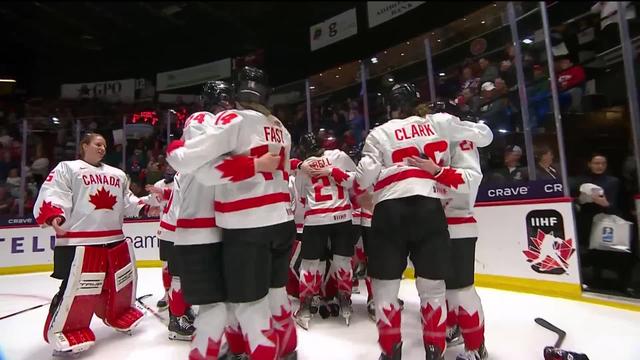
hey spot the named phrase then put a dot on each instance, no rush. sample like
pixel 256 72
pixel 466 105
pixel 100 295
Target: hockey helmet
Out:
pixel 310 145
pixel 217 93
pixel 252 86
pixel 403 97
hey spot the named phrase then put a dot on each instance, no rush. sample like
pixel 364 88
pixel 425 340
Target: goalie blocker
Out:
pixel 98 279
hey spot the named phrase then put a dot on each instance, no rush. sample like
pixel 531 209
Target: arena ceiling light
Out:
pixel 374 60
pixel 442 74
pixel 7 80
pixel 527 41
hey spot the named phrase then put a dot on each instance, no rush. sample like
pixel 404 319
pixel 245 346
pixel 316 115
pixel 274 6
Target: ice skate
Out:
pixel 355 286
pixel 324 310
pixel 371 310
pixel 314 306
pixel 190 314
pixel 70 343
pixel 454 337
pixel 163 304
pixel 303 315
pixel 397 353
pixel 480 354
pixel 290 356
pixel 434 353
pixel 344 300
pixel 236 357
pixel 180 328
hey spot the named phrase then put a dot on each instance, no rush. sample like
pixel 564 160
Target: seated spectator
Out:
pixel 153 173
pixel 512 171
pixel 5 138
pixel 13 182
pixel 468 103
pixel 468 81
pixel 570 81
pixel 489 71
pixel 40 167
pixel 544 160
pixel 6 201
pixel 493 108
pixel 6 164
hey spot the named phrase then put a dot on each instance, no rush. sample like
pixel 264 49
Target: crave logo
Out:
pixel 548 251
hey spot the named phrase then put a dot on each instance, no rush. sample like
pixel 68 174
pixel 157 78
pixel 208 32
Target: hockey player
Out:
pixel 293 287
pixel 465 312
pixel 181 314
pixel 160 193
pixel 323 186
pixel 85 202
pixel 254 212
pixel 409 217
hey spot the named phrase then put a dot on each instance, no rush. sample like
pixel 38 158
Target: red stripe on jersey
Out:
pixel 327 210
pixel 90 234
pixel 402 175
pixel 197 223
pixel 166 194
pixel 175 144
pixel 251 203
pixel 167 226
pixel 299 226
pixel 367 215
pixel 461 220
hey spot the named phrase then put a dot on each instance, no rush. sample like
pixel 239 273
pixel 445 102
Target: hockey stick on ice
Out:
pixel 24 311
pixel 150 309
pixel 547 325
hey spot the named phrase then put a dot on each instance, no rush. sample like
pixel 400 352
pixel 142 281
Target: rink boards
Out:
pixel 523 245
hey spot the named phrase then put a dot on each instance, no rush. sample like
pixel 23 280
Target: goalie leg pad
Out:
pixel 67 325
pixel 119 291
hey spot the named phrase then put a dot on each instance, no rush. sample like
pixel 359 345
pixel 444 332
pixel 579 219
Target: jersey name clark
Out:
pixel 413 131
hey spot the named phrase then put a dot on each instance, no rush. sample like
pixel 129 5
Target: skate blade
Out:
pixel 303 323
pixel 176 336
pixel 455 341
pixel 74 352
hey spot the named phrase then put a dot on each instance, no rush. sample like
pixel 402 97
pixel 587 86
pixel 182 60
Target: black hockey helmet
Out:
pixel 217 93
pixel 252 86
pixel 403 97
pixel 310 145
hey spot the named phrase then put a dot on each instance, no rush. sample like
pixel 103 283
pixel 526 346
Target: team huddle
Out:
pixel 243 228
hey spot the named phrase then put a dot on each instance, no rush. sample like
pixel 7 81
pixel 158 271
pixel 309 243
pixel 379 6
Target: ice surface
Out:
pixel 603 333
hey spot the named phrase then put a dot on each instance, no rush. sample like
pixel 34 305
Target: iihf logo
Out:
pixel 548 251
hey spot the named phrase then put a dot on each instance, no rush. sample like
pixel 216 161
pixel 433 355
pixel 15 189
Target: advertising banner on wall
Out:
pixel 32 245
pixel 333 30
pixel 194 75
pixel 382 11
pixel 110 91
pixel 532 241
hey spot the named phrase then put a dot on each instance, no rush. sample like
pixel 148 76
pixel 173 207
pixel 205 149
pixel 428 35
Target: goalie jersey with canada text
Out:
pixel 243 198
pixel 93 200
pixel 383 164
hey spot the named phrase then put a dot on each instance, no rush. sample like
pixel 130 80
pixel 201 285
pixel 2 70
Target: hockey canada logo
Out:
pixel 548 251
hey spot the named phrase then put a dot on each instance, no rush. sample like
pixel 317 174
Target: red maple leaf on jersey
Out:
pixel 103 199
pixel 212 351
pixel 237 168
pixel 47 212
pixel 338 175
pixel 450 177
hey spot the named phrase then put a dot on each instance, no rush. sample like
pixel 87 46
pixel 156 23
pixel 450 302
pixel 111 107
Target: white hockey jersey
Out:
pixel 326 199
pixel 163 202
pixel 296 205
pixel 459 209
pixel 361 216
pixel 196 222
pixel 387 147
pixel 244 199
pixel 92 199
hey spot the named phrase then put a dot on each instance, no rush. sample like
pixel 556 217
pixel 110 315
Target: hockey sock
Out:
pixel 258 329
pixel 452 308
pixel 166 277
pixel 210 324
pixel 310 278
pixel 343 274
pixel 233 333
pixel 388 315
pixel 471 317
pixel 281 311
pixel 434 312
pixel 177 304
pixel 367 281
